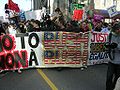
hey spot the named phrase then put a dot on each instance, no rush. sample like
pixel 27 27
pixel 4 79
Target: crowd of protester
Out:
pixel 49 24
pixel 57 22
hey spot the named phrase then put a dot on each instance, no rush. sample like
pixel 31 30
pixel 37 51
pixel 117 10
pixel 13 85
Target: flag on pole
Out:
pixel 13 6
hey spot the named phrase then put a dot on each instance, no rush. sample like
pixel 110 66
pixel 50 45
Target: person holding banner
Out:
pixel 58 18
pixel 36 26
pixel 113 45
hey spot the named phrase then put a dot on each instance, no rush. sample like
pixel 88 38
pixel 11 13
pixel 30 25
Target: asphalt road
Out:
pixel 92 78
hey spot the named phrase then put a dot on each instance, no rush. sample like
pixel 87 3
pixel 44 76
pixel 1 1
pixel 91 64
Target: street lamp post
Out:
pixel 31 4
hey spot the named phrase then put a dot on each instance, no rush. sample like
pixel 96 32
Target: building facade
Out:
pixel 96 6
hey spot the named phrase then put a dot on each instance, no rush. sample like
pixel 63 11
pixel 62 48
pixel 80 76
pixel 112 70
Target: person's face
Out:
pixel 83 25
pixel 117 31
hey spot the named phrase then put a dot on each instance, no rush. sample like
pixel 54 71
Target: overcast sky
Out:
pixel 23 5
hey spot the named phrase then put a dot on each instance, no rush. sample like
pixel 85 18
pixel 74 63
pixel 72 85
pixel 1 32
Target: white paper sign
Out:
pixel 112 11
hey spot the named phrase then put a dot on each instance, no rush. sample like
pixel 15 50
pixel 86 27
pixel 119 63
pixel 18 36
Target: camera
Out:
pixel 111 45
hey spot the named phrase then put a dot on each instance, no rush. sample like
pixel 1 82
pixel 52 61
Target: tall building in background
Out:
pixel 50 5
pixel 38 4
pixel 93 6
pixel 102 5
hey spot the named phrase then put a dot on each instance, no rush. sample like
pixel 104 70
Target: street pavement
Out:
pixel 91 78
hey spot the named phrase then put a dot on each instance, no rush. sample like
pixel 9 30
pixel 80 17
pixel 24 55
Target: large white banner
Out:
pixel 52 49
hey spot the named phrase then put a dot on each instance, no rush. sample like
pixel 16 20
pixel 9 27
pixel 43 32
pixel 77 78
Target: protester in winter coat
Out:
pixel 84 27
pixel 48 24
pixel 29 26
pixel 98 26
pixel 36 26
pixel 113 72
pixel 58 18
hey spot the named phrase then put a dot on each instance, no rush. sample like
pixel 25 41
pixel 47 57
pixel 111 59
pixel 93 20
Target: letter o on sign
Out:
pixel 7 42
pixel 30 39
